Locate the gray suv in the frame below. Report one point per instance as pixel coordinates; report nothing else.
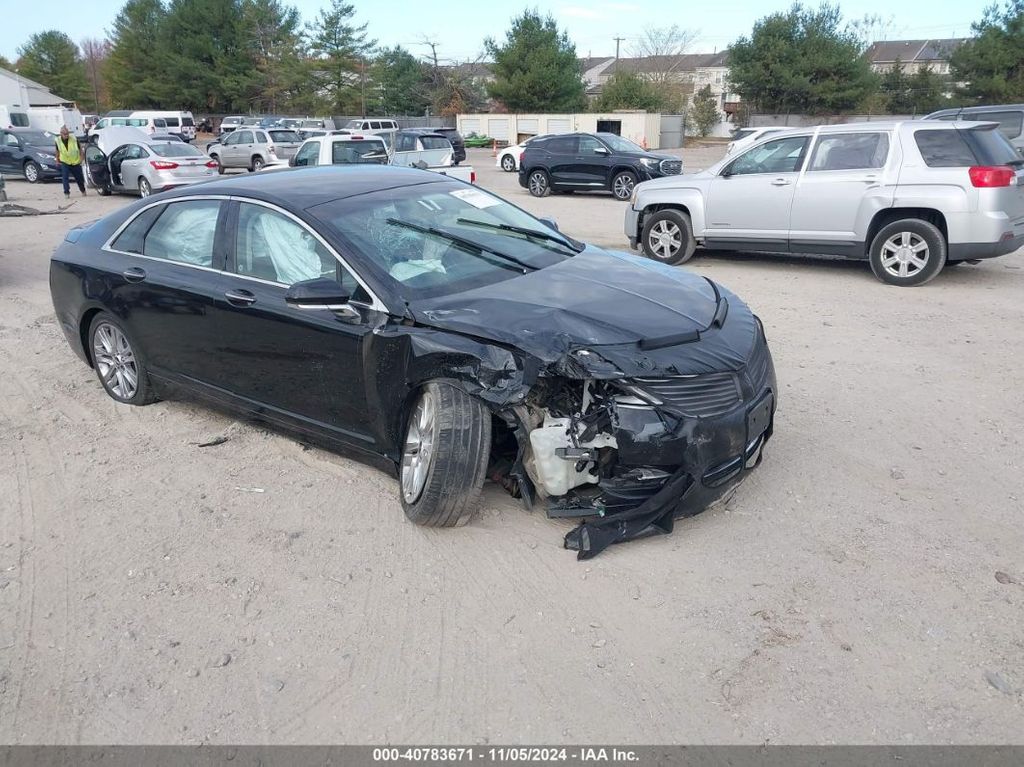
(254, 148)
(908, 197)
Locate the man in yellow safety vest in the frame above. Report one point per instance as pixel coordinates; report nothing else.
(69, 158)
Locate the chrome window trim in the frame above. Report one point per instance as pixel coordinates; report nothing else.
(375, 303)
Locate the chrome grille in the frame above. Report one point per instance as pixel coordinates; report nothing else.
(671, 167)
(703, 395)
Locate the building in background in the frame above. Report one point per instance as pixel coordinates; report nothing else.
(914, 55)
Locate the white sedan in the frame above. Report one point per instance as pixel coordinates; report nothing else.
(508, 158)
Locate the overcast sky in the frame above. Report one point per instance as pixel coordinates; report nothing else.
(460, 26)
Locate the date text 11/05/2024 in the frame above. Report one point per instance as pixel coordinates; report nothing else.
(499, 754)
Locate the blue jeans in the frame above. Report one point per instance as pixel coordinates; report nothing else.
(66, 171)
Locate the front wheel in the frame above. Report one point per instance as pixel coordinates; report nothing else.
(444, 457)
(539, 183)
(118, 362)
(622, 185)
(668, 237)
(145, 189)
(32, 172)
(508, 163)
(908, 253)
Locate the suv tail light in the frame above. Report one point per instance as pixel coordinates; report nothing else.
(472, 177)
(984, 176)
(521, 157)
(163, 165)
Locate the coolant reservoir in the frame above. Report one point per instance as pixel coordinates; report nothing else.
(558, 475)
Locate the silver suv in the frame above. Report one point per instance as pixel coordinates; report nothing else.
(254, 148)
(907, 196)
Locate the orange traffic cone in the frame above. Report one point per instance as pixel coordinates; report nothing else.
(644, 144)
(494, 148)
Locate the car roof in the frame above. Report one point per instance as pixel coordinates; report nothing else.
(303, 188)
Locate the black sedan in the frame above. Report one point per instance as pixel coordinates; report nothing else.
(30, 152)
(430, 325)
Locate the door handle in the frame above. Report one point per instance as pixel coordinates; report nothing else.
(134, 274)
(869, 179)
(781, 182)
(240, 297)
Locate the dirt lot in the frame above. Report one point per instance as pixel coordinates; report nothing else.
(153, 591)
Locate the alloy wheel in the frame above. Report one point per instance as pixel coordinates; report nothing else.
(257, 164)
(665, 239)
(115, 361)
(418, 452)
(905, 254)
(538, 184)
(622, 186)
(145, 190)
(508, 163)
(31, 172)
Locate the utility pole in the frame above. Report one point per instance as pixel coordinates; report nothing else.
(617, 41)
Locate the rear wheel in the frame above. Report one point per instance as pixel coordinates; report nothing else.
(220, 165)
(32, 172)
(622, 185)
(539, 183)
(508, 163)
(444, 457)
(257, 164)
(118, 362)
(908, 253)
(668, 237)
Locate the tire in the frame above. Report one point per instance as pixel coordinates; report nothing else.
(145, 189)
(622, 185)
(32, 172)
(116, 360)
(451, 432)
(105, 190)
(908, 253)
(668, 237)
(508, 163)
(539, 183)
(220, 165)
(257, 164)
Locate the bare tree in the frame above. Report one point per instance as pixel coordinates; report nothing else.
(454, 86)
(94, 53)
(872, 28)
(667, 45)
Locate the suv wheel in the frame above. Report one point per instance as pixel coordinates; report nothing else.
(220, 165)
(668, 237)
(32, 172)
(257, 164)
(444, 458)
(508, 163)
(539, 184)
(908, 253)
(622, 185)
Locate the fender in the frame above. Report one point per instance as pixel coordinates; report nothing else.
(689, 198)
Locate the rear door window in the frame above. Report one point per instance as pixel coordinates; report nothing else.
(562, 145)
(944, 149)
(171, 121)
(850, 151)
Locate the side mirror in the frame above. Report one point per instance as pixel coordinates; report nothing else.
(321, 293)
(550, 223)
(600, 150)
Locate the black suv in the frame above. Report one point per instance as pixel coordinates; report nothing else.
(578, 162)
(453, 135)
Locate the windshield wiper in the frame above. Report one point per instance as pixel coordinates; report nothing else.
(468, 244)
(559, 239)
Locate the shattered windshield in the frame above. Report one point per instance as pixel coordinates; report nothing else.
(442, 238)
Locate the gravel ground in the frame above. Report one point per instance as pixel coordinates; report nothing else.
(865, 585)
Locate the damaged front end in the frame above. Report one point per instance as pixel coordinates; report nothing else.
(629, 456)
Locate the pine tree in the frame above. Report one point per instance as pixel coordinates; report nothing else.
(340, 49)
(52, 58)
(703, 112)
(131, 69)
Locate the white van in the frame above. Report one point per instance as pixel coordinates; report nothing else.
(54, 118)
(13, 117)
(379, 126)
(181, 123)
(149, 125)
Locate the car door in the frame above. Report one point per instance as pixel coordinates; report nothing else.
(303, 365)
(229, 155)
(593, 163)
(844, 184)
(96, 165)
(9, 146)
(561, 160)
(166, 280)
(132, 166)
(750, 200)
(242, 147)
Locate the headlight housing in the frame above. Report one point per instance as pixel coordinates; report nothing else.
(650, 162)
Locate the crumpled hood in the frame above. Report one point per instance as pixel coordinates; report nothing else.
(601, 301)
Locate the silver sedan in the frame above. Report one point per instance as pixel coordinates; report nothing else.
(145, 167)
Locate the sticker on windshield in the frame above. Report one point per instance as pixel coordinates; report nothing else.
(476, 198)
